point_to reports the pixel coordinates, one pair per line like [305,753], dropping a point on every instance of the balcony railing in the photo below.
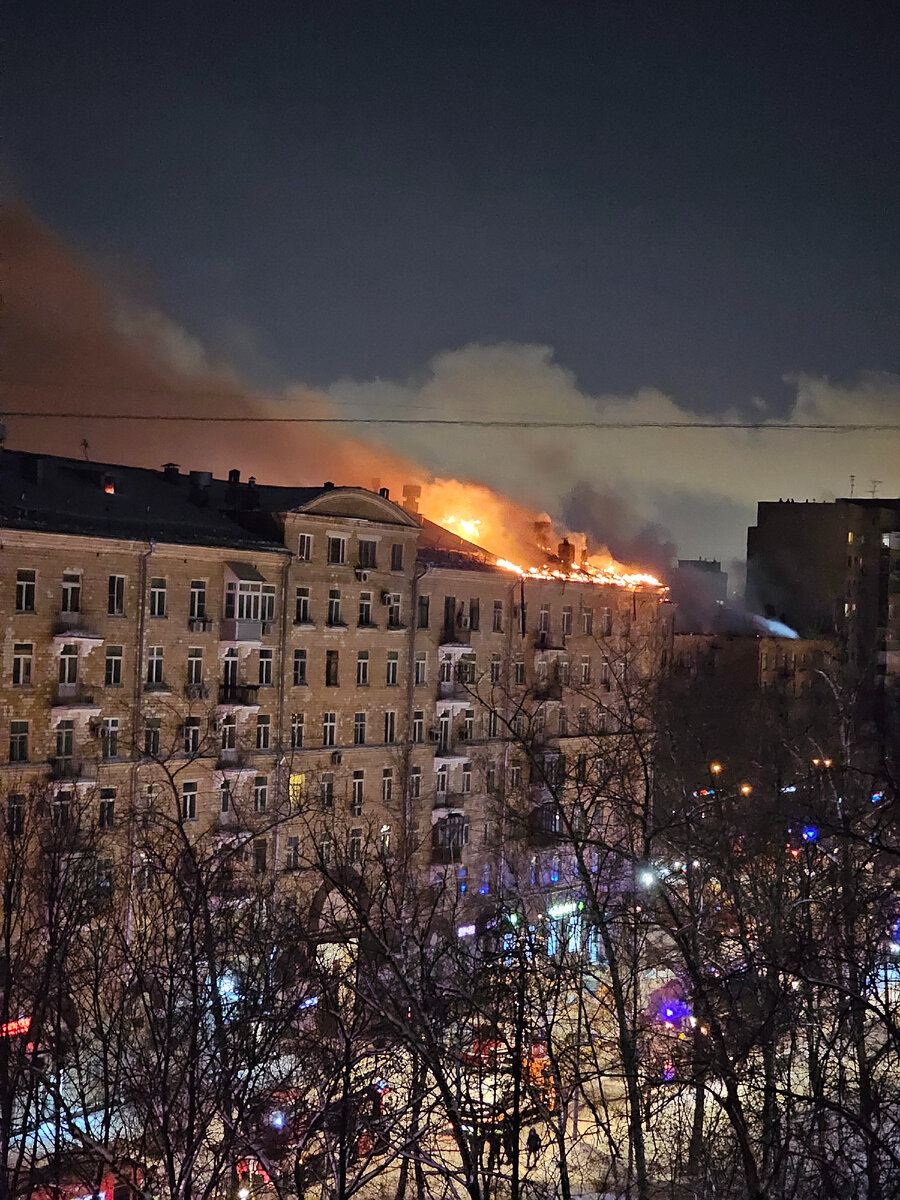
[196,691]
[239,693]
[443,855]
[200,624]
[241,629]
[72,695]
[71,768]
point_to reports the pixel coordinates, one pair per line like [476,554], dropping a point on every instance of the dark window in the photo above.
[25,586]
[337,547]
[422,611]
[331,668]
[367,551]
[474,613]
[198,598]
[116,601]
[397,556]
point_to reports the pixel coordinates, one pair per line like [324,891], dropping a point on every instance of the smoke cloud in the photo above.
[69,344]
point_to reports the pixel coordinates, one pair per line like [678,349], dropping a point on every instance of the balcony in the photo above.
[233,760]
[455,635]
[72,769]
[200,624]
[545,824]
[442,856]
[239,695]
[196,691]
[73,695]
[241,629]
[547,689]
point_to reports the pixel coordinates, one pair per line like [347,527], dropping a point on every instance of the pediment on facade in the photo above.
[359,504]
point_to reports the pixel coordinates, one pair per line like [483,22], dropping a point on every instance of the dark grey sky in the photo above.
[699,197]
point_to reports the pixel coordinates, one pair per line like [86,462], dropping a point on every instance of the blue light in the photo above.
[876,796]
[810,833]
[278,1120]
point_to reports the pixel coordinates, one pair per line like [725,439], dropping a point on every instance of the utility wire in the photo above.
[473,422]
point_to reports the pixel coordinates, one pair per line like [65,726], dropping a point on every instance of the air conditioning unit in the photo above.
[463,622]
[95,725]
[387,597]
[434,735]
[361,574]
[337,757]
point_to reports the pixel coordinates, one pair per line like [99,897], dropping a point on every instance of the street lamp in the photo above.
[746,789]
[715,768]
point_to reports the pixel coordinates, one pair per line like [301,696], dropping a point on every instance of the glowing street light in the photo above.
[715,768]
[746,789]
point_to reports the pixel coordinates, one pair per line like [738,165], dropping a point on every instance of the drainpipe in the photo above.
[419,573]
[137,721]
[279,718]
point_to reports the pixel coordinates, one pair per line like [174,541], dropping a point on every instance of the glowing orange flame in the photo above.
[523,540]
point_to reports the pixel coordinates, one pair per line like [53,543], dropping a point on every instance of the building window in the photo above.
[292,863]
[462,881]
[71,592]
[384,839]
[260,854]
[326,791]
[192,735]
[387,785]
[467,778]
[515,775]
[520,671]
[356,795]
[297,722]
[365,610]
[305,547]
[490,777]
[197,608]
[468,730]
[61,809]
[115,604]
[22,663]
[415,783]
[296,788]
[155,665]
[563,723]
[394,611]
[299,668]
[362,668]
[195,667]
[157,597]
[263,732]
[337,551]
[331,668]
[367,552]
[230,671]
[329,728]
[267,606]
[228,733]
[493,723]
[113,672]
[422,611]
[563,671]
[544,619]
[189,802]
[418,726]
[446,670]
[485,887]
[397,556]
[442,780]
[390,727]
[260,794]
[106,815]
[18,741]
[393,666]
[25,588]
[359,729]
[68,664]
[420,668]
[151,737]
[225,801]
[584,722]
[109,738]
[585,669]
[326,850]
[605,677]
[356,845]
[496,668]
[15,815]
[301,613]
[474,614]
[605,622]
[587,621]
[334,607]
[265,668]
[497,624]
[567,621]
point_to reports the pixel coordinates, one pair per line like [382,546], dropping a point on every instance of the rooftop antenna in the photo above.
[84,449]
[874,488]
[852,485]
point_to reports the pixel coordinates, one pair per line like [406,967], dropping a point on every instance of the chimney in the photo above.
[170,472]
[411,494]
[327,486]
[566,553]
[386,492]
[542,530]
[234,477]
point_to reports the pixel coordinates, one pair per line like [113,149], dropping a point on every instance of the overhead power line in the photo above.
[472,422]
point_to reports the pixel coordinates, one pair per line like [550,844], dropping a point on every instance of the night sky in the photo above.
[512,207]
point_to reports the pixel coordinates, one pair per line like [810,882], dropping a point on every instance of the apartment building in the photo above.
[315,672]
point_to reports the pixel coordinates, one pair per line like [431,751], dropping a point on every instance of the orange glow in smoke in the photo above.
[522,541]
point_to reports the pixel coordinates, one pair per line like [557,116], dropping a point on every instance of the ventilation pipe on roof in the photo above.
[566,552]
[411,494]
[234,477]
[386,492]
[327,486]
[170,472]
